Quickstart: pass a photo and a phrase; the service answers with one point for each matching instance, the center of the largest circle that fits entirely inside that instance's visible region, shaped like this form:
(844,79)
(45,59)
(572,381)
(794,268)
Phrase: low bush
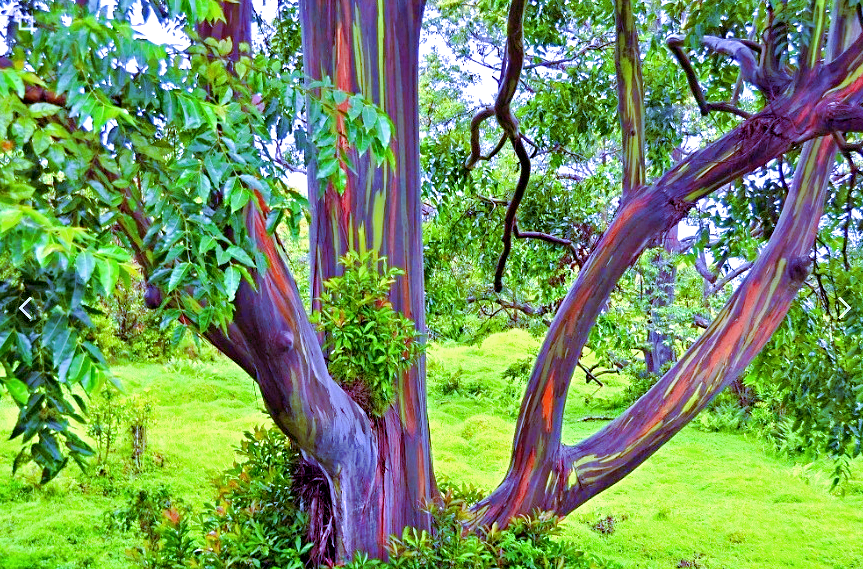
(254,522)
(526,543)
(260,519)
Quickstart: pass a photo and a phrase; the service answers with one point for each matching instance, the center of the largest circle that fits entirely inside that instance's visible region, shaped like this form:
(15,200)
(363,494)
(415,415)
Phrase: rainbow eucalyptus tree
(172,160)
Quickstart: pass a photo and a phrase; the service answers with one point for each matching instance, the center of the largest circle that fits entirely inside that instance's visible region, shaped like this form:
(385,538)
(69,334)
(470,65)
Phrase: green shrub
(254,522)
(111,415)
(369,344)
(727,417)
(258,521)
(144,511)
(128,330)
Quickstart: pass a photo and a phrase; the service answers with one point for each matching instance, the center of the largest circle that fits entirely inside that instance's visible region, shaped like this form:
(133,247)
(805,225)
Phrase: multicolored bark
(372,48)
(543,472)
(630,96)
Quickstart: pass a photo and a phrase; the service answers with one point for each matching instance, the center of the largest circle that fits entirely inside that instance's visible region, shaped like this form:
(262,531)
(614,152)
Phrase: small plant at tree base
(144,510)
(139,414)
(110,415)
(368,342)
(525,543)
(257,520)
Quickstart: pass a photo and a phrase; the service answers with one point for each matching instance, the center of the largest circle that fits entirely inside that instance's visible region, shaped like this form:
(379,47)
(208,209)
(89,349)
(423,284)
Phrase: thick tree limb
(545,475)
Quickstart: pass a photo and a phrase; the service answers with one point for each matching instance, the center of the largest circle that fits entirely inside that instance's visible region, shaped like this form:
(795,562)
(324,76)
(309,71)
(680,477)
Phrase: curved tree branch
(542,473)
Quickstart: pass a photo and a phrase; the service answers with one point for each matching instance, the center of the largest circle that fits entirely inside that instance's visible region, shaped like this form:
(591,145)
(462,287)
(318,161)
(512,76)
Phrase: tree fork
(542,472)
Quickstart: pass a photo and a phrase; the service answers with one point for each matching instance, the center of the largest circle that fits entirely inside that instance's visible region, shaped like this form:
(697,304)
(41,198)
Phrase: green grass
(715,500)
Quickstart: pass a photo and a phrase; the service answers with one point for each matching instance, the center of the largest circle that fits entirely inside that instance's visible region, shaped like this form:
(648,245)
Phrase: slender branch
(509,220)
(720,284)
(561,63)
(476,122)
(675,44)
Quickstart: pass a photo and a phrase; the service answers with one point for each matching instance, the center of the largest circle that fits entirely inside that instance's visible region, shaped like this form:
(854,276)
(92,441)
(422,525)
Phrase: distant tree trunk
(661,292)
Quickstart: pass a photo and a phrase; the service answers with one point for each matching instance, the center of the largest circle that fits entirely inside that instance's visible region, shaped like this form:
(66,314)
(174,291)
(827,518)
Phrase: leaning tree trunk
(547,474)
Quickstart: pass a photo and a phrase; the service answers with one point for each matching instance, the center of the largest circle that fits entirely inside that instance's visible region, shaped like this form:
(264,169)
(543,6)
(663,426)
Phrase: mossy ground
(711,500)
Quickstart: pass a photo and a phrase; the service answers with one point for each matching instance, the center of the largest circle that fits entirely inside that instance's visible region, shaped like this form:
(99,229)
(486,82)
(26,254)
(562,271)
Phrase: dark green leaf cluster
(340,121)
(369,344)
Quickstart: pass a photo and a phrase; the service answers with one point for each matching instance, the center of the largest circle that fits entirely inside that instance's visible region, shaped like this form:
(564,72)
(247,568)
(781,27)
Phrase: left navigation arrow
(22,308)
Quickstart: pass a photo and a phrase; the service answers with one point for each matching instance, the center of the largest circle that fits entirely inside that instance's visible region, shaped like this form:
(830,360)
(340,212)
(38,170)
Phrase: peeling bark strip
(545,474)
(371,47)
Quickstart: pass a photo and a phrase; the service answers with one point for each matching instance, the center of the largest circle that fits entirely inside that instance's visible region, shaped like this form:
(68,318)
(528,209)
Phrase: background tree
(169,151)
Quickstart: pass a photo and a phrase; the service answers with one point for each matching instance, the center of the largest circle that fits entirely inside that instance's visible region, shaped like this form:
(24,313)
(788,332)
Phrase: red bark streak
(548,403)
(526,476)
(409,416)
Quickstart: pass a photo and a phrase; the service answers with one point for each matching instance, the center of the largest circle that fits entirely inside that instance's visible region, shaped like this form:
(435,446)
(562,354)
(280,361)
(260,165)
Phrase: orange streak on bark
(278,277)
(409,418)
(344,75)
(548,401)
(525,480)
(261,203)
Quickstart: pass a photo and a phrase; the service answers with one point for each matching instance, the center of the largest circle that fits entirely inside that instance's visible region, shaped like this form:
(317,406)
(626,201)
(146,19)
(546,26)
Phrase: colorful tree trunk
(379,470)
(372,48)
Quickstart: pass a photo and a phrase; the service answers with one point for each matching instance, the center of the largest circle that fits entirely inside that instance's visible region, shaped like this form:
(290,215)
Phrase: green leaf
(178,274)
(339,96)
(240,255)
(41,141)
(191,112)
(42,110)
(109,270)
(327,168)
(370,117)
(232,281)
(84,265)
(9,218)
(17,389)
(384,130)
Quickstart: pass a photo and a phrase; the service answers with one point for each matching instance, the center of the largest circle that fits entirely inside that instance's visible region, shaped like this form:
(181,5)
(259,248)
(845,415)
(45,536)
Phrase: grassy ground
(711,500)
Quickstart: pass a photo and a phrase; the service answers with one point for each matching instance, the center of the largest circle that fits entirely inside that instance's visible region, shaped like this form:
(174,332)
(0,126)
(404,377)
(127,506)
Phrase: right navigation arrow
(847,308)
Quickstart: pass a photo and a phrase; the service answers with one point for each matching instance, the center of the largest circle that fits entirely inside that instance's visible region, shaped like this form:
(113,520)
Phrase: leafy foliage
(368,342)
(138,150)
(254,522)
(810,374)
(127,330)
